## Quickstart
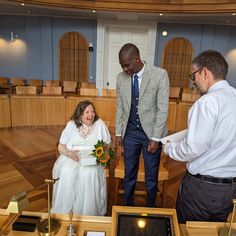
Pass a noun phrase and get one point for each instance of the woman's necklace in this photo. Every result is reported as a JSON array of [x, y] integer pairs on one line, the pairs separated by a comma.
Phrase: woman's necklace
[[85, 130]]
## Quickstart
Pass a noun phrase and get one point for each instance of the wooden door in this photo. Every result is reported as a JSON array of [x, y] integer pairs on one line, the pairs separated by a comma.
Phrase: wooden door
[[176, 59], [73, 57]]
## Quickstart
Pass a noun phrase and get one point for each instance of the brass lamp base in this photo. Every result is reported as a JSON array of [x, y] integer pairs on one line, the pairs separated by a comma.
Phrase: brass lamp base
[[225, 232], [43, 227]]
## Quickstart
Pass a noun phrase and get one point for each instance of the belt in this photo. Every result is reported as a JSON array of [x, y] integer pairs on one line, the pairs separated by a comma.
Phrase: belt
[[216, 180]]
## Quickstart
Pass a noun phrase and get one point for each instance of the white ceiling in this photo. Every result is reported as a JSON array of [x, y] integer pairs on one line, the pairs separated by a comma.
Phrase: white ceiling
[[10, 8]]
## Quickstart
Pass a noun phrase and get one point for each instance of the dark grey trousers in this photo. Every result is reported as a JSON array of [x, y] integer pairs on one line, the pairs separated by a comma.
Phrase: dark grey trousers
[[198, 200]]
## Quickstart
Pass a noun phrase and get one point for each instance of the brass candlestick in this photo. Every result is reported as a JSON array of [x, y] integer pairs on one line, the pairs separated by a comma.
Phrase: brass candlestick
[[48, 227], [71, 229]]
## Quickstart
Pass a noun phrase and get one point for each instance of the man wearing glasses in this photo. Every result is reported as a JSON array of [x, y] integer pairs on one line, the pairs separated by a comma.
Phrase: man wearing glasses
[[209, 148], [141, 114]]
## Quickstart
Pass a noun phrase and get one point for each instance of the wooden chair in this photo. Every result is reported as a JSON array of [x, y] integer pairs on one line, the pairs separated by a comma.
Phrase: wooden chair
[[17, 82], [38, 83], [108, 92], [88, 91], [52, 90], [190, 95], [174, 92], [26, 90], [163, 177], [69, 86], [4, 80], [52, 83], [87, 85], [5, 87]]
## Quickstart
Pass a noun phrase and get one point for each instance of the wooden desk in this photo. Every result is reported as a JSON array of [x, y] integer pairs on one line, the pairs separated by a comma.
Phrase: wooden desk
[[26, 111], [105, 107], [96, 223], [5, 116], [37, 110], [193, 228], [100, 223]]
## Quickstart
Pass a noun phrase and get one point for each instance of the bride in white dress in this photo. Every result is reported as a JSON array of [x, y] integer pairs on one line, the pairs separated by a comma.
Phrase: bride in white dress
[[81, 188]]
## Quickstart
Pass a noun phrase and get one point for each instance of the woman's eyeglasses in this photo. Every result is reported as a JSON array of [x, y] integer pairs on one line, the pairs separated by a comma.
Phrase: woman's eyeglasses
[[192, 76]]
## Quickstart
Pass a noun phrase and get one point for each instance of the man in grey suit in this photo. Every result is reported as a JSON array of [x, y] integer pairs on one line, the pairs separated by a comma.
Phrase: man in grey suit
[[141, 114]]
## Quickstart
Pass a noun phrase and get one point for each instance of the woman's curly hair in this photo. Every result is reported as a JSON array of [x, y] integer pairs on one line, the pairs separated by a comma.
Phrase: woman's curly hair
[[79, 110]]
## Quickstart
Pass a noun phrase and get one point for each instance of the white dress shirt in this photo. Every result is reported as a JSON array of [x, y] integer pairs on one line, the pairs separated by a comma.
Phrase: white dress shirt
[[140, 76], [210, 145]]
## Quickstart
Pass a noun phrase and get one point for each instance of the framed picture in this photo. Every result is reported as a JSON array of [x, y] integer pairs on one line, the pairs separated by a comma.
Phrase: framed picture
[[94, 233], [141, 221]]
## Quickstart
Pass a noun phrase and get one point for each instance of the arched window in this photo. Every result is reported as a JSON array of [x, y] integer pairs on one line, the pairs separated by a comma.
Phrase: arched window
[[176, 59], [73, 57]]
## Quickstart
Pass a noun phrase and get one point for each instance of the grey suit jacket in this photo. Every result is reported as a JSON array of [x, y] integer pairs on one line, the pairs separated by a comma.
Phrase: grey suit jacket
[[153, 102]]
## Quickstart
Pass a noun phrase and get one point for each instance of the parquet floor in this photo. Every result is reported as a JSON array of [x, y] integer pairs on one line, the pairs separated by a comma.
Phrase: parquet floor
[[27, 156]]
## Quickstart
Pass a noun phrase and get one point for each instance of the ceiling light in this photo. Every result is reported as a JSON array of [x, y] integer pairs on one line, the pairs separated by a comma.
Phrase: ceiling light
[[164, 33], [22, 4], [93, 11], [160, 14], [233, 14]]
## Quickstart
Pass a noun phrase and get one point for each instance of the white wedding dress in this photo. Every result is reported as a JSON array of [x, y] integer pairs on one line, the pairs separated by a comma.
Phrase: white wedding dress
[[81, 189]]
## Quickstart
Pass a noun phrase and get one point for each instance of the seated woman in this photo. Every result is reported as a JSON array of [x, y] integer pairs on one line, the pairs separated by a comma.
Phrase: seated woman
[[81, 187]]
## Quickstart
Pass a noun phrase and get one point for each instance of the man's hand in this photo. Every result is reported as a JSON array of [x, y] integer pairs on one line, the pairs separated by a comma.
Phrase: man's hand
[[118, 141], [153, 146]]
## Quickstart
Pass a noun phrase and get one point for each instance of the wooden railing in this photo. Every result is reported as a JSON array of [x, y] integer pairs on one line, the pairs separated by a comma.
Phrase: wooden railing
[[20, 111]]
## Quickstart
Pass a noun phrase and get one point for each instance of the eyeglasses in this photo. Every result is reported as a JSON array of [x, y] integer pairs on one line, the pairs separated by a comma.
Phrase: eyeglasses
[[192, 76]]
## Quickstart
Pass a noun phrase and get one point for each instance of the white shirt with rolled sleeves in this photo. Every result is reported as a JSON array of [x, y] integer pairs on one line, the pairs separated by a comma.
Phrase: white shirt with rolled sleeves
[[210, 145]]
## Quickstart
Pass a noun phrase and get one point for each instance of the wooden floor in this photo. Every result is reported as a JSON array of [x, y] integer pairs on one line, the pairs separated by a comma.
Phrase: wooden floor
[[27, 156]]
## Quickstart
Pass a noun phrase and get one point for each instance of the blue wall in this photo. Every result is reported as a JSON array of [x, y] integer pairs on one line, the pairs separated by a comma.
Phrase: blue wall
[[218, 37], [35, 53]]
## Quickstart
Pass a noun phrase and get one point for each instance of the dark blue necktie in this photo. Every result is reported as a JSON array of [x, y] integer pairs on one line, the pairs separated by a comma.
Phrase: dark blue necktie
[[135, 85]]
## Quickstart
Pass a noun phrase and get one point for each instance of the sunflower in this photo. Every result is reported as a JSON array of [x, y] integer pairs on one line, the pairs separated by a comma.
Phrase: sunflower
[[103, 153], [99, 151]]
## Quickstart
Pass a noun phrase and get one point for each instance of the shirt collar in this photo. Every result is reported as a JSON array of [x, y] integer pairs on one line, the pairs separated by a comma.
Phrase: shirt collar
[[218, 85], [140, 73]]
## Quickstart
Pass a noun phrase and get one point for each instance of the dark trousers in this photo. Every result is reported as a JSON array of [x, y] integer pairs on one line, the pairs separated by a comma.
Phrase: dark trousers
[[134, 142], [199, 200]]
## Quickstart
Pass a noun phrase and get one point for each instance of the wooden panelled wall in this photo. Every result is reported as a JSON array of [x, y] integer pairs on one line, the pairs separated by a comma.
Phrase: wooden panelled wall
[[179, 6], [20, 111]]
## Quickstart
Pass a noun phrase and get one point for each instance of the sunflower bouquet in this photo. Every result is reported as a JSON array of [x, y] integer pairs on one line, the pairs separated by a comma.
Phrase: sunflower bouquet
[[103, 152]]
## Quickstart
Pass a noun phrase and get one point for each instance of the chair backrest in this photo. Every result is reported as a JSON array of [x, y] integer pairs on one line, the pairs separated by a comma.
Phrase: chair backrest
[[4, 80], [52, 83], [174, 92], [187, 90], [190, 95], [52, 90], [69, 86], [35, 82], [87, 85], [88, 91], [18, 81], [25, 90], [108, 92]]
